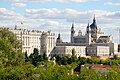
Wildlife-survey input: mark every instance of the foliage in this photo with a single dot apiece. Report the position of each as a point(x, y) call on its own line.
point(35, 57)
point(64, 60)
point(10, 50)
point(115, 57)
point(45, 56)
point(11, 38)
point(17, 72)
point(26, 57)
point(73, 57)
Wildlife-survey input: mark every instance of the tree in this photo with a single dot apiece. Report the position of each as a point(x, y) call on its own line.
point(35, 51)
point(10, 49)
point(73, 52)
point(45, 56)
point(11, 38)
point(74, 57)
point(62, 60)
point(58, 59)
point(34, 57)
point(26, 57)
point(115, 57)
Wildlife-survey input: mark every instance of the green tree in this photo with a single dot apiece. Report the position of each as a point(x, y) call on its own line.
point(26, 57)
point(35, 51)
point(10, 49)
point(115, 57)
point(74, 57)
point(58, 59)
point(11, 38)
point(45, 56)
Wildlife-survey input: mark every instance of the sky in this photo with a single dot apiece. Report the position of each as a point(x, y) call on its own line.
point(58, 15)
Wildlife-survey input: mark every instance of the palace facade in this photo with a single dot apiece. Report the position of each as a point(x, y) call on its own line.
point(43, 41)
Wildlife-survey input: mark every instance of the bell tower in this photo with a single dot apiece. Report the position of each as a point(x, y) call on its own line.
point(72, 33)
point(59, 40)
point(88, 34)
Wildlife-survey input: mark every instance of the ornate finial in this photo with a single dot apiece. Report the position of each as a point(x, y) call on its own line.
point(94, 19)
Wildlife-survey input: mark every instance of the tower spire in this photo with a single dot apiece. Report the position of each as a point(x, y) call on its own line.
point(94, 20)
point(73, 25)
point(88, 24)
point(59, 40)
point(72, 33)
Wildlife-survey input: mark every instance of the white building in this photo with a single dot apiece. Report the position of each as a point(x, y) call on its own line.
point(93, 43)
point(67, 50)
point(47, 42)
point(30, 39)
point(43, 41)
point(99, 50)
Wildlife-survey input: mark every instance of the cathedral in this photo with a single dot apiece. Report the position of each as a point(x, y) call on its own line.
point(93, 43)
point(93, 35)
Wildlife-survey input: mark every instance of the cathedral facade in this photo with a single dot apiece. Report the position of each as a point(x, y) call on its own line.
point(93, 43)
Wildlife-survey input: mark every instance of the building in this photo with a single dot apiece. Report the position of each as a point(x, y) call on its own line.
point(47, 42)
point(100, 68)
point(67, 50)
point(93, 43)
point(30, 39)
point(99, 50)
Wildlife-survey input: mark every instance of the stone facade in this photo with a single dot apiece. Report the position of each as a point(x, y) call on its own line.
point(67, 50)
point(43, 41)
point(47, 42)
point(94, 42)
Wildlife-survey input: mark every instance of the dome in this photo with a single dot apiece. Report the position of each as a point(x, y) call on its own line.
point(93, 25)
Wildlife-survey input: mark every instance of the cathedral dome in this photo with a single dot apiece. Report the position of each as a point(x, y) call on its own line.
point(93, 25)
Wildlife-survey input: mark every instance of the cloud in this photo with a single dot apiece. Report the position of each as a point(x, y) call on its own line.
point(82, 0)
point(63, 1)
point(71, 15)
point(9, 15)
point(18, 5)
point(59, 20)
point(112, 4)
point(9, 18)
point(105, 19)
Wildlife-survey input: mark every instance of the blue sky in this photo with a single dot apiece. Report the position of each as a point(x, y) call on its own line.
point(58, 15)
